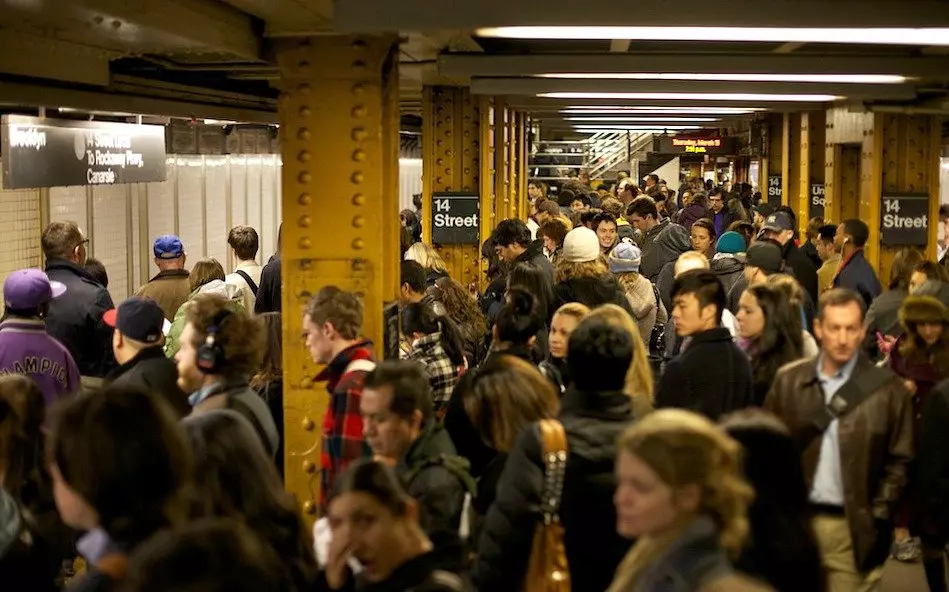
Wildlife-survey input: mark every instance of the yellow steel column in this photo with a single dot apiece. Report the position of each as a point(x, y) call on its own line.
point(501, 181)
point(451, 162)
point(338, 114)
point(810, 156)
point(901, 155)
point(489, 214)
point(525, 207)
point(513, 209)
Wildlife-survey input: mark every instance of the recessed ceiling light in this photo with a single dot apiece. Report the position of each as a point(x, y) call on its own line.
point(637, 118)
point(874, 36)
point(724, 77)
point(792, 98)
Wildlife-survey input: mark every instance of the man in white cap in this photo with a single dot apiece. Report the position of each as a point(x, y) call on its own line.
point(25, 347)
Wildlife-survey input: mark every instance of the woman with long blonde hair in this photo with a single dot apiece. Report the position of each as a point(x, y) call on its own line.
point(639, 387)
point(681, 495)
point(427, 257)
point(564, 321)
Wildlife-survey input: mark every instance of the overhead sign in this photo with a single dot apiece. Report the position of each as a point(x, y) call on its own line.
point(904, 219)
point(706, 145)
point(816, 207)
point(775, 191)
point(456, 218)
point(39, 152)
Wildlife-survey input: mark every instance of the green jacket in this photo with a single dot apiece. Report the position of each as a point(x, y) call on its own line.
point(232, 293)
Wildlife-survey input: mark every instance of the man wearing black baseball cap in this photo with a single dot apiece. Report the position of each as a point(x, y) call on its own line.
point(779, 226)
point(140, 328)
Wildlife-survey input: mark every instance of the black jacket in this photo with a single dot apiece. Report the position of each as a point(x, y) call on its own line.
point(932, 463)
point(810, 251)
point(670, 241)
point(23, 553)
point(439, 492)
point(535, 254)
point(857, 275)
point(593, 421)
point(804, 271)
point(272, 393)
point(731, 272)
point(712, 376)
point(75, 319)
point(269, 292)
point(593, 292)
point(151, 371)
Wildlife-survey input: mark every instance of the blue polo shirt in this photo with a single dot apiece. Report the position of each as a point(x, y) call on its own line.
point(26, 348)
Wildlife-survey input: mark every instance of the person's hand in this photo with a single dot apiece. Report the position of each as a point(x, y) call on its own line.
point(910, 386)
point(337, 569)
point(885, 343)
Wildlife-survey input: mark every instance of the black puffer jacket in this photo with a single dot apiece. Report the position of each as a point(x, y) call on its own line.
point(75, 319)
point(804, 271)
point(593, 292)
point(535, 254)
point(593, 421)
point(731, 272)
point(439, 492)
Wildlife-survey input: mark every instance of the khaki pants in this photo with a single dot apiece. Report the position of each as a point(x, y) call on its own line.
point(836, 551)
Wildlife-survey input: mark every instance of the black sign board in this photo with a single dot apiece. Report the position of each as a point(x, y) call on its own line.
point(904, 219)
point(704, 145)
point(456, 219)
point(390, 331)
point(775, 191)
point(39, 152)
point(816, 207)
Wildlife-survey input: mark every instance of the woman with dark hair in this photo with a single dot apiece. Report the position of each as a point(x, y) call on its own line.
point(534, 280)
point(883, 314)
point(516, 328)
point(120, 465)
point(375, 521)
point(781, 548)
point(458, 305)
point(921, 358)
point(236, 479)
point(702, 236)
point(25, 559)
point(552, 233)
point(438, 345)
point(268, 382)
point(410, 221)
point(771, 334)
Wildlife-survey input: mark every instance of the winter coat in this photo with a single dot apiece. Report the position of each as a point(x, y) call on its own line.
point(668, 245)
point(722, 220)
point(442, 372)
point(269, 290)
point(535, 254)
point(804, 271)
point(712, 376)
point(730, 270)
point(272, 394)
point(664, 284)
point(810, 251)
point(439, 492)
point(690, 214)
point(75, 319)
point(593, 422)
point(592, 291)
point(152, 371)
point(826, 273)
point(170, 288)
point(648, 309)
point(856, 274)
point(235, 394)
point(932, 464)
point(218, 287)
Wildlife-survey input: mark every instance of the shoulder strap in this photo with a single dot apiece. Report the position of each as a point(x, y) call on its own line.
point(247, 278)
point(554, 445)
point(454, 464)
point(853, 392)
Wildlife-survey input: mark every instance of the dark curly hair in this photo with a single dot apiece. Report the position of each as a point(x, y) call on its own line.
point(241, 336)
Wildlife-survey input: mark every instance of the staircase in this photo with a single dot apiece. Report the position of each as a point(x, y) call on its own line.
point(601, 154)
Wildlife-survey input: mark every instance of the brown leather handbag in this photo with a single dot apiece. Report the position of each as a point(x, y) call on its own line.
point(548, 570)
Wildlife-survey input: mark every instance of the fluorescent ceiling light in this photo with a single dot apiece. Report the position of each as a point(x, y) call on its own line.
point(600, 130)
point(643, 109)
point(829, 78)
point(790, 98)
point(648, 119)
point(637, 127)
point(874, 36)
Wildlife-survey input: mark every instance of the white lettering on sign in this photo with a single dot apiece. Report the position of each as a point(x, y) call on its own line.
point(891, 205)
point(446, 221)
point(26, 137)
point(817, 195)
point(441, 205)
point(100, 177)
point(907, 222)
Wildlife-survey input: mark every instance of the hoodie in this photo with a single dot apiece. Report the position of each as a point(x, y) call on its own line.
point(671, 242)
point(229, 291)
point(688, 215)
point(730, 269)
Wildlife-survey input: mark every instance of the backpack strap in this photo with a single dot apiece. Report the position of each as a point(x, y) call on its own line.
point(247, 278)
point(458, 466)
point(852, 393)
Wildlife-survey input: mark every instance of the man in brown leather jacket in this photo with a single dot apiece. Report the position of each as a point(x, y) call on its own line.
point(856, 468)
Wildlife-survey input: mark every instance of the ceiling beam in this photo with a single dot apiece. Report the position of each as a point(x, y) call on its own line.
point(470, 65)
point(424, 15)
point(535, 86)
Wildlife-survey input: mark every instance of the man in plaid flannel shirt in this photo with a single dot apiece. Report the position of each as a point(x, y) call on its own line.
point(333, 324)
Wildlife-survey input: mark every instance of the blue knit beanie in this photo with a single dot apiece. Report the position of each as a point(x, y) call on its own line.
point(730, 242)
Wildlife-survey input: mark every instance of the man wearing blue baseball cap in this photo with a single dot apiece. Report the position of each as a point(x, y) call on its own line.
point(25, 347)
point(140, 329)
point(171, 287)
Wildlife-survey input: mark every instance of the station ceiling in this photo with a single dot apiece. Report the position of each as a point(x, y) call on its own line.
point(690, 63)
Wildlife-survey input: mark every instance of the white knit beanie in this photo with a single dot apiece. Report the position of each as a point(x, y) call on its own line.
point(580, 245)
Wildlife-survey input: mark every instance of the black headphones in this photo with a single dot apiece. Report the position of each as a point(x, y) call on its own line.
point(210, 358)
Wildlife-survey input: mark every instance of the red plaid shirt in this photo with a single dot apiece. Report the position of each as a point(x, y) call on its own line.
point(343, 440)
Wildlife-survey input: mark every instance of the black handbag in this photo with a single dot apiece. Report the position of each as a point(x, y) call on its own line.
point(657, 339)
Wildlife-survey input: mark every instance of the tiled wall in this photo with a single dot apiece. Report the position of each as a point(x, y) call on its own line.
point(203, 197)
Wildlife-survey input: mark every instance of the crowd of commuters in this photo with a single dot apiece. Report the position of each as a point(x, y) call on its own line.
point(657, 390)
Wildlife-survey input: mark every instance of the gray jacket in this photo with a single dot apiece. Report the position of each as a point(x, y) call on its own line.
point(694, 561)
point(671, 242)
